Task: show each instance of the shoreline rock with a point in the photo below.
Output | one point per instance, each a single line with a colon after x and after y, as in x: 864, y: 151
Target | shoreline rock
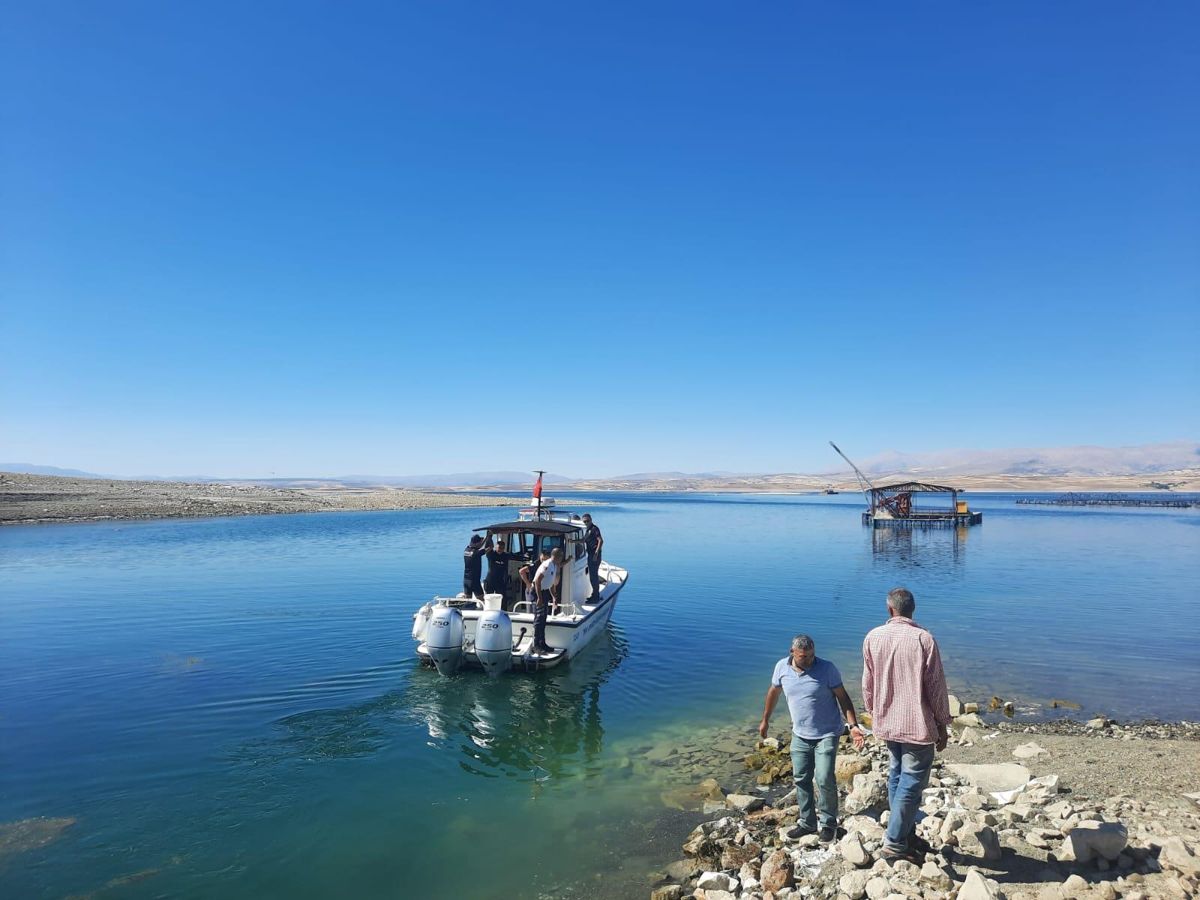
x: 1040, y: 836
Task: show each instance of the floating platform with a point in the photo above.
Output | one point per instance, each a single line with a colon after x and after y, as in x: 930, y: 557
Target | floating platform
x: 895, y: 506
x: 924, y: 520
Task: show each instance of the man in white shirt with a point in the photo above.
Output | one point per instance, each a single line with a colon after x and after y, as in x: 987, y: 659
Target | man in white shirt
x: 545, y: 585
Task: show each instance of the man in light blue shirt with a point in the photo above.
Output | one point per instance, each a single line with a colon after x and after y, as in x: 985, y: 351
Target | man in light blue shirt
x: 817, y: 702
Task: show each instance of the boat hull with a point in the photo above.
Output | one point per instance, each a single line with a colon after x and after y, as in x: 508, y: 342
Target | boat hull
x: 567, y: 635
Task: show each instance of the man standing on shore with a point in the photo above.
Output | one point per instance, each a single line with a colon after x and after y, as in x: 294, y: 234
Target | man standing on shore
x: 904, y: 689
x: 817, y: 702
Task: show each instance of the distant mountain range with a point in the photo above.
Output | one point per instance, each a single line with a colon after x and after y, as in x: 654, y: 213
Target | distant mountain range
x: 1138, y: 460
x: 1146, y: 459
x: 30, y: 469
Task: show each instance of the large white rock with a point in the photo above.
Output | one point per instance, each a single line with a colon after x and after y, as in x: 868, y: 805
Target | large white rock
x: 1177, y: 855
x: 978, y: 840
x: 868, y: 828
x: 1074, y: 886
x: 744, y: 802
x: 1029, y: 751
x: 870, y: 790
x: 932, y: 873
x: 976, y: 887
x: 854, y: 884
x: 878, y: 887
x: 992, y: 777
x: 1093, y: 840
x: 716, y: 881
x: 853, y: 851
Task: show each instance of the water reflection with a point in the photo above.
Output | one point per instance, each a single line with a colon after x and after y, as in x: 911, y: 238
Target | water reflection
x: 540, y: 725
x: 919, y: 547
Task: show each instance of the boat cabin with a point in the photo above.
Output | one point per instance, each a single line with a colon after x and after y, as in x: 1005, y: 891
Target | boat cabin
x: 524, y: 541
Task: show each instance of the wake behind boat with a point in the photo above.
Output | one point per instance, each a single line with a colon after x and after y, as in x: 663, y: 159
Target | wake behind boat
x: 497, y: 633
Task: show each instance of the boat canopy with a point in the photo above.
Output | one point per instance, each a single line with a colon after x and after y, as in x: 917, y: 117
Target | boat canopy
x: 537, y: 526
x: 916, y: 487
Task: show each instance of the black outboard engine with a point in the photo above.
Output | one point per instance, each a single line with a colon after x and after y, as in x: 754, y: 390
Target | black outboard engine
x: 493, y: 641
x: 444, y: 639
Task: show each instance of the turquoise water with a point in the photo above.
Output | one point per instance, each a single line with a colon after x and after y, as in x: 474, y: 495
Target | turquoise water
x: 231, y: 707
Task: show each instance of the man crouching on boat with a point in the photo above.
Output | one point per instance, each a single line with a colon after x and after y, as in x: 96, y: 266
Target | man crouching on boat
x: 817, y: 702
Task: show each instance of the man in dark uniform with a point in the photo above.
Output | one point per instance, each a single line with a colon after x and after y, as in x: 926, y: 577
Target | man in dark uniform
x: 497, y: 576
x: 593, y: 541
x: 473, y: 566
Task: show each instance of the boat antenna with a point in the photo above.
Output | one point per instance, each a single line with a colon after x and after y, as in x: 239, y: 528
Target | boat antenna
x: 863, y: 481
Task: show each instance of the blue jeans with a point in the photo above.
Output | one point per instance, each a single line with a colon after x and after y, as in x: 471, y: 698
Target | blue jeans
x: 908, y: 776
x: 814, y: 760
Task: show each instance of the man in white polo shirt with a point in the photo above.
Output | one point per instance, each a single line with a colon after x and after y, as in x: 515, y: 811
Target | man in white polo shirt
x: 817, y: 702
x: 544, y: 586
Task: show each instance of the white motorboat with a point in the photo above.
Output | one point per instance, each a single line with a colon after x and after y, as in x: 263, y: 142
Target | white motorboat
x: 496, y: 634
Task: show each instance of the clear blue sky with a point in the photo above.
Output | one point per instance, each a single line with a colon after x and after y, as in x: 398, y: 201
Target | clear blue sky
x: 324, y: 238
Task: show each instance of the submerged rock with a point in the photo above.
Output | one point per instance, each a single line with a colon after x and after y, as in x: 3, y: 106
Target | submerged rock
x: 29, y: 834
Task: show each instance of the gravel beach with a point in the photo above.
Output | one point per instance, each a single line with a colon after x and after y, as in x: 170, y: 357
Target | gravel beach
x: 1090, y: 810
x: 34, y: 499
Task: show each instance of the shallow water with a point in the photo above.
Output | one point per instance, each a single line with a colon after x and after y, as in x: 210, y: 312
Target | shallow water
x: 231, y: 707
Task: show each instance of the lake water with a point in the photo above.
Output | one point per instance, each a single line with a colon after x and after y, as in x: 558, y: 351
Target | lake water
x: 232, y: 708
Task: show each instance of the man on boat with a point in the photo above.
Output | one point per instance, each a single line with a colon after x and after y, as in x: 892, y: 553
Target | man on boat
x: 497, y: 576
x: 817, y: 701
x: 543, y: 586
x: 593, y: 541
x: 473, y: 566
x: 904, y: 689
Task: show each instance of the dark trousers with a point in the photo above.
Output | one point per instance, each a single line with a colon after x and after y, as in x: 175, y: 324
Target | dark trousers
x: 540, y: 611
x: 593, y: 567
x: 472, y: 588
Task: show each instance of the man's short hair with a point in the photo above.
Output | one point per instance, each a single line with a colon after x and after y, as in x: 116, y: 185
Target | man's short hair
x: 802, y: 642
x: 587, y: 517
x: 902, y: 601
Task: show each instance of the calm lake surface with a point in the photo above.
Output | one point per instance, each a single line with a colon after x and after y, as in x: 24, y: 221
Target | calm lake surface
x: 232, y: 707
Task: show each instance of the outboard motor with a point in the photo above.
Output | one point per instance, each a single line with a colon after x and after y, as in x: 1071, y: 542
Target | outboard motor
x: 444, y: 639
x: 493, y: 641
x: 421, y: 621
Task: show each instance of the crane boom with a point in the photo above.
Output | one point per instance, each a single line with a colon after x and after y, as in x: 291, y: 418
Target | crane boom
x: 863, y: 481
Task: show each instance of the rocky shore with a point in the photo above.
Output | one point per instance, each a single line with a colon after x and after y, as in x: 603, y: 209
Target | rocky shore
x: 32, y: 499
x: 1024, y: 811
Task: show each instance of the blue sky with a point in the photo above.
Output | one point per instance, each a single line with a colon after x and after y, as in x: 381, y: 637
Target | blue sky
x: 318, y: 238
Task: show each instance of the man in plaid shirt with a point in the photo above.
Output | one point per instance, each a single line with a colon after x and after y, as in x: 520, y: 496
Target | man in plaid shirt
x: 904, y: 689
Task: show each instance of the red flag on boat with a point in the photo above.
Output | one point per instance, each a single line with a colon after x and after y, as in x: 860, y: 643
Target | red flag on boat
x: 537, y: 489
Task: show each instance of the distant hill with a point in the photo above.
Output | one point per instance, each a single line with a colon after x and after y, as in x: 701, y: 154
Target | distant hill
x: 30, y: 469
x: 458, y: 479
x: 1146, y: 459
x: 936, y: 466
